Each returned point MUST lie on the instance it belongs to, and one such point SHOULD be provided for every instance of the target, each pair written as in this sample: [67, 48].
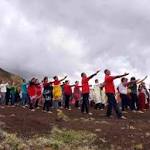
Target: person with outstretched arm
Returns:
[110, 92]
[133, 87]
[57, 92]
[86, 92]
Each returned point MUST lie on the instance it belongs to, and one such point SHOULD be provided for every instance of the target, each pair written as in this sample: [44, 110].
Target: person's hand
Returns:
[65, 77]
[98, 71]
[146, 77]
[126, 74]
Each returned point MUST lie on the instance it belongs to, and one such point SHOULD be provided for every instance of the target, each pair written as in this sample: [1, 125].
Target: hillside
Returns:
[7, 76]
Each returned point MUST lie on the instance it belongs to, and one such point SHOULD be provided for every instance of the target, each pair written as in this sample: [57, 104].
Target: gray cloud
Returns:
[70, 36]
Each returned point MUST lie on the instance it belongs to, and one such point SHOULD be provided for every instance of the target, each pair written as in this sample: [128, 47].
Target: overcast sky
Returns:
[48, 37]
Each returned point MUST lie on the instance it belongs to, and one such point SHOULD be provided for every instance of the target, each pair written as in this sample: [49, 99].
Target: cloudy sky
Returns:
[48, 37]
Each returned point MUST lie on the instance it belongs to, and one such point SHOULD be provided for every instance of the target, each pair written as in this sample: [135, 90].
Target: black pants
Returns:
[112, 104]
[85, 103]
[134, 102]
[47, 105]
[124, 101]
[67, 100]
[77, 104]
[7, 98]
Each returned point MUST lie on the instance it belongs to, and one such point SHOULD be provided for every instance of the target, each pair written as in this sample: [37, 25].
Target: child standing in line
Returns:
[57, 91]
[133, 87]
[3, 90]
[38, 87]
[123, 90]
[141, 98]
[86, 91]
[47, 98]
[77, 94]
[68, 94]
[13, 94]
[8, 96]
[48, 95]
[99, 95]
[25, 97]
[32, 94]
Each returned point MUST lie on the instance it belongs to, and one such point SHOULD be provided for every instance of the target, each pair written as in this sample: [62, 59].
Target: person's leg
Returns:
[3, 98]
[83, 103]
[109, 107]
[32, 103]
[59, 103]
[122, 102]
[132, 102]
[68, 101]
[136, 102]
[23, 99]
[87, 103]
[26, 99]
[12, 99]
[44, 106]
[47, 106]
[115, 106]
[55, 103]
[7, 98]
[36, 103]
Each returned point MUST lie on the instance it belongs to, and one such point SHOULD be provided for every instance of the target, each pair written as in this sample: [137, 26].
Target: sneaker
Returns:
[124, 112]
[2, 107]
[69, 109]
[33, 110]
[134, 111]
[141, 112]
[123, 117]
[90, 114]
[49, 112]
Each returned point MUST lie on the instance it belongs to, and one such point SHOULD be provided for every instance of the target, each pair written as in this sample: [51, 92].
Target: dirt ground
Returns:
[135, 131]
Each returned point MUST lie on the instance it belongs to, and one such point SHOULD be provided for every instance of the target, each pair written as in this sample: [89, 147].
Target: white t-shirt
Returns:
[3, 87]
[123, 89]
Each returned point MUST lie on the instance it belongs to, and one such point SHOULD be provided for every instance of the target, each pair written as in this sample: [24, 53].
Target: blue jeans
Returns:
[13, 98]
[56, 104]
[112, 104]
[25, 99]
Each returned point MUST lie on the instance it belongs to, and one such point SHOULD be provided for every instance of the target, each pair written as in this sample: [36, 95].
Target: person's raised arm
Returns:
[63, 78]
[120, 76]
[138, 82]
[91, 76]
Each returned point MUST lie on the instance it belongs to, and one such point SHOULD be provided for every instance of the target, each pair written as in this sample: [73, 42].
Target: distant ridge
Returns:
[7, 76]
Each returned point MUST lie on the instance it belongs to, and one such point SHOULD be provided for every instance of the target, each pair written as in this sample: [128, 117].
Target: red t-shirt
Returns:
[56, 82]
[67, 89]
[85, 85]
[38, 90]
[109, 84]
[32, 90]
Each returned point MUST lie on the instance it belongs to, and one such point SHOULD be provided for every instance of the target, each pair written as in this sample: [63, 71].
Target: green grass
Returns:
[58, 140]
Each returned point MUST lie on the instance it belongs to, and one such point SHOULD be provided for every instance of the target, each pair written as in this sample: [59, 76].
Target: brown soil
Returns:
[123, 134]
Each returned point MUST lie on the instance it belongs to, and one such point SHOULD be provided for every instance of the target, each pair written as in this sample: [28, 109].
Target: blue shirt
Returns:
[24, 88]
